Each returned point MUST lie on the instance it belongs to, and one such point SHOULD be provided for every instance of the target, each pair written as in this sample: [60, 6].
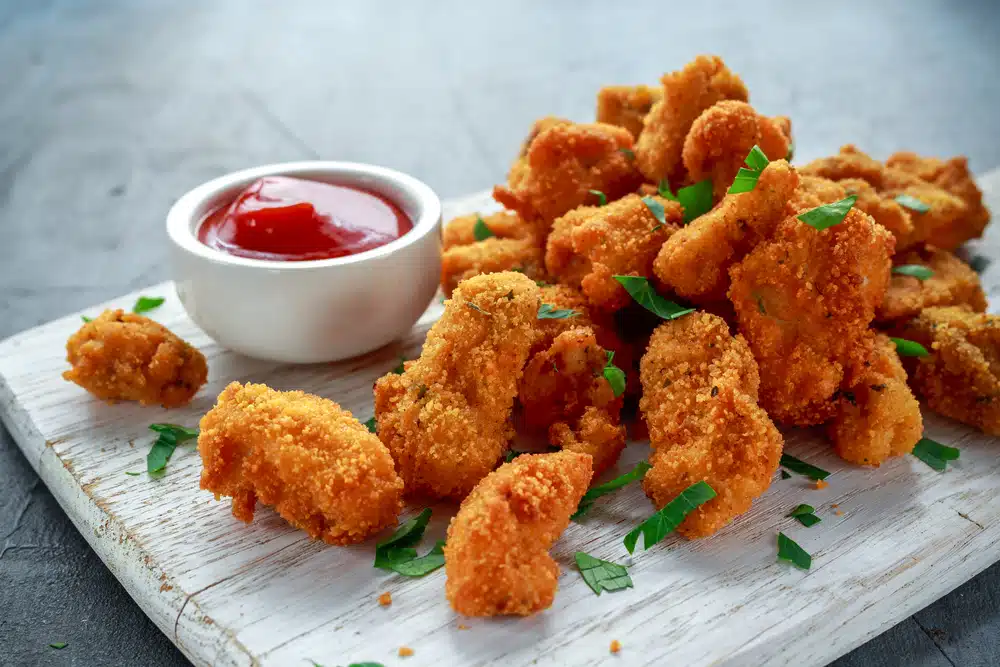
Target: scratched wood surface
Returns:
[229, 594]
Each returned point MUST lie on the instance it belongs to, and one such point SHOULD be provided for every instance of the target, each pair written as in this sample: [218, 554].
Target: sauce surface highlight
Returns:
[295, 220]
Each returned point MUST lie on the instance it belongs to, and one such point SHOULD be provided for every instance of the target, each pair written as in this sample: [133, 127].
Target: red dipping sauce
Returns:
[295, 220]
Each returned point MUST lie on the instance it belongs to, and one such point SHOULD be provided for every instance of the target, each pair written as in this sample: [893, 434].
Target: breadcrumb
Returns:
[615, 646]
[821, 484]
[405, 651]
[385, 599]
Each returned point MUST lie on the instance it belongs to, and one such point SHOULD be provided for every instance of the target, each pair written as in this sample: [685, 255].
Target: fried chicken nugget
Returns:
[564, 163]
[699, 400]
[446, 418]
[590, 245]
[695, 261]
[497, 554]
[804, 300]
[885, 210]
[492, 255]
[953, 283]
[961, 376]
[686, 94]
[313, 461]
[722, 136]
[626, 106]
[848, 163]
[503, 225]
[121, 356]
[879, 417]
[565, 394]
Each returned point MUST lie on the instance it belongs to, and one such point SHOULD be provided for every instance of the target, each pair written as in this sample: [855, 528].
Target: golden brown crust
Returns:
[496, 555]
[885, 210]
[445, 419]
[121, 356]
[493, 255]
[954, 283]
[626, 106]
[504, 225]
[319, 468]
[700, 403]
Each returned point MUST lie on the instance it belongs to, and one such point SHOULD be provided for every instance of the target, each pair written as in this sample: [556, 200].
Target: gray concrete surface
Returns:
[110, 110]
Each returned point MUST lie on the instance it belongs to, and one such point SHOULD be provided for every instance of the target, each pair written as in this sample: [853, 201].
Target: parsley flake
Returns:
[614, 375]
[636, 473]
[602, 575]
[627, 152]
[481, 231]
[696, 200]
[643, 293]
[909, 348]
[828, 215]
[915, 270]
[746, 178]
[935, 454]
[477, 308]
[805, 515]
[511, 455]
[399, 547]
[58, 645]
[979, 263]
[663, 189]
[372, 425]
[791, 150]
[144, 304]
[657, 210]
[86, 319]
[170, 436]
[663, 522]
[132, 474]
[421, 565]
[802, 468]
[400, 367]
[912, 203]
[789, 551]
[602, 199]
[785, 474]
[549, 312]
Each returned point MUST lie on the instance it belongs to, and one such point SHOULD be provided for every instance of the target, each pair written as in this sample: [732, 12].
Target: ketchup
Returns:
[295, 220]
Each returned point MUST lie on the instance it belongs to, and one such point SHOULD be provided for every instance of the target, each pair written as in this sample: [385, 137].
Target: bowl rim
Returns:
[183, 234]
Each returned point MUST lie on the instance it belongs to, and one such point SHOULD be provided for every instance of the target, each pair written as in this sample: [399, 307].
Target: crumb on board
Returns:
[615, 646]
[385, 599]
[405, 651]
[463, 626]
[822, 484]
[834, 505]
[839, 513]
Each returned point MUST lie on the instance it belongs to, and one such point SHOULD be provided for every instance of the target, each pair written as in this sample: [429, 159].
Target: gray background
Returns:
[110, 110]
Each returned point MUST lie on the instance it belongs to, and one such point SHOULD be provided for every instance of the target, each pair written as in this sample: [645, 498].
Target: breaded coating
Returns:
[722, 136]
[626, 106]
[121, 356]
[504, 225]
[961, 376]
[695, 261]
[446, 418]
[848, 163]
[885, 210]
[320, 468]
[815, 191]
[879, 416]
[804, 300]
[564, 394]
[564, 163]
[497, 554]
[699, 399]
[686, 94]
[537, 128]
[492, 255]
[943, 225]
[590, 245]
[954, 283]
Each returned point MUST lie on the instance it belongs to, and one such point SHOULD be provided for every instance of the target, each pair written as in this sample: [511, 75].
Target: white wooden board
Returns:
[230, 594]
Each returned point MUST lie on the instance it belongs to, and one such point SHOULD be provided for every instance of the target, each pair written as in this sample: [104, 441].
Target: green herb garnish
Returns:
[602, 199]
[399, 547]
[979, 263]
[400, 367]
[549, 312]
[614, 375]
[170, 436]
[656, 208]
[511, 455]
[477, 308]
[912, 203]
[663, 522]
[791, 150]
[86, 319]
[627, 152]
[144, 304]
[421, 565]
[372, 425]
[602, 575]
[915, 270]
[481, 231]
[644, 294]
[828, 215]
[789, 551]
[909, 348]
[934, 453]
[746, 178]
[785, 474]
[636, 473]
[58, 645]
[133, 474]
[801, 467]
[663, 189]
[805, 514]
[696, 200]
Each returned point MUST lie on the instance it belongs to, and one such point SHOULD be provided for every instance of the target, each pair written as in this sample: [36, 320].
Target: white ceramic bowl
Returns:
[313, 311]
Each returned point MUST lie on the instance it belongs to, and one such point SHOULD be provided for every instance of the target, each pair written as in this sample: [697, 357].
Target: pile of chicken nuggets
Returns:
[790, 326]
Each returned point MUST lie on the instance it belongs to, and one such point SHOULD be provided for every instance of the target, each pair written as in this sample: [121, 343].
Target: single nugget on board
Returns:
[699, 400]
[626, 106]
[121, 356]
[446, 418]
[497, 554]
[320, 468]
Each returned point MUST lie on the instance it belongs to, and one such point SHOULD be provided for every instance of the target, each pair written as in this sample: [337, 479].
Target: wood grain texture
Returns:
[230, 594]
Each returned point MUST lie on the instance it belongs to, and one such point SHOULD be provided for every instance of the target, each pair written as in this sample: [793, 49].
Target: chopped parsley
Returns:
[912, 203]
[828, 215]
[805, 515]
[802, 468]
[511, 455]
[935, 454]
[909, 348]
[657, 210]
[398, 549]
[421, 565]
[614, 375]
[637, 473]
[477, 308]
[86, 319]
[915, 270]
[58, 645]
[979, 263]
[132, 474]
[791, 150]
[602, 199]
[549, 312]
[627, 152]
[481, 231]
[170, 436]
[400, 367]
[644, 294]
[785, 474]
[144, 304]
[602, 575]
[663, 522]
[372, 425]
[696, 200]
[746, 177]
[789, 551]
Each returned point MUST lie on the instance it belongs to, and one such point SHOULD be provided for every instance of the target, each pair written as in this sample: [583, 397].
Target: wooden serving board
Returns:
[230, 594]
